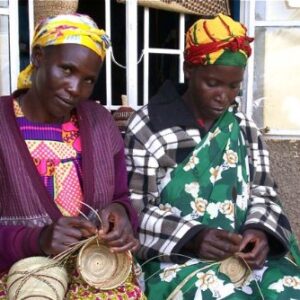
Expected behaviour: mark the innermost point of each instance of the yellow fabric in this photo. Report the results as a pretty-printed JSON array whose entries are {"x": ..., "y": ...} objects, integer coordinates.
[
  {"x": 66, "y": 29},
  {"x": 222, "y": 28}
]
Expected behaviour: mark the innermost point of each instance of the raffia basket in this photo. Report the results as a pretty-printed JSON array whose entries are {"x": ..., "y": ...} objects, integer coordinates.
[
  {"x": 197, "y": 7},
  {"x": 37, "y": 277},
  {"x": 49, "y": 8},
  {"x": 236, "y": 270},
  {"x": 102, "y": 269}
]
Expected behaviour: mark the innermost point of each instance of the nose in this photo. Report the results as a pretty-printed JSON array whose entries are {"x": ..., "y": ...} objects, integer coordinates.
[
  {"x": 222, "y": 97},
  {"x": 73, "y": 87}
]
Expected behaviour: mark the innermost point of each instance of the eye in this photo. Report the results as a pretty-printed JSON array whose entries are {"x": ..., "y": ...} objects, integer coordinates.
[
  {"x": 89, "y": 80},
  {"x": 212, "y": 83},
  {"x": 66, "y": 70},
  {"x": 235, "y": 86}
]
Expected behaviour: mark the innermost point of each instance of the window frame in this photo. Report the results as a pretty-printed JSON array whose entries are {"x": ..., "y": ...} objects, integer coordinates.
[{"x": 247, "y": 16}]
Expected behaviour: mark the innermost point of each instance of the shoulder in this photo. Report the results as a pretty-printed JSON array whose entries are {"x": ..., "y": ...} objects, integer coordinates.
[
  {"x": 139, "y": 119},
  {"x": 248, "y": 126}
]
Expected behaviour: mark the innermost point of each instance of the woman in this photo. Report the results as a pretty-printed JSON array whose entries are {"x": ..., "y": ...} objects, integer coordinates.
[
  {"x": 61, "y": 153},
  {"x": 199, "y": 177}
]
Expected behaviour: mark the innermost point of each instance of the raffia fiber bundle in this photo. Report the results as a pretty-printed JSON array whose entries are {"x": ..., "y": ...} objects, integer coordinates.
[
  {"x": 101, "y": 268},
  {"x": 197, "y": 7},
  {"x": 37, "y": 277},
  {"x": 49, "y": 8}
]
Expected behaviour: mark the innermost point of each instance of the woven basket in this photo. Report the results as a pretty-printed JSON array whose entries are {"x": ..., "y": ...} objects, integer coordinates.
[
  {"x": 197, "y": 7},
  {"x": 49, "y": 8},
  {"x": 236, "y": 270},
  {"x": 37, "y": 277},
  {"x": 102, "y": 269}
]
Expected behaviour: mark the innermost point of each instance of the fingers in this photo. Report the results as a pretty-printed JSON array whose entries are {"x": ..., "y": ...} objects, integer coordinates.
[{"x": 255, "y": 248}]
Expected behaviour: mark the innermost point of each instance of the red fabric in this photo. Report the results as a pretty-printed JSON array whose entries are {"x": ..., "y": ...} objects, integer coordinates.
[{"x": 196, "y": 53}]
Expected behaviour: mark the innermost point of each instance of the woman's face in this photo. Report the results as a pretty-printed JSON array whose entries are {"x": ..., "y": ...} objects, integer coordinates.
[
  {"x": 65, "y": 75},
  {"x": 212, "y": 89}
]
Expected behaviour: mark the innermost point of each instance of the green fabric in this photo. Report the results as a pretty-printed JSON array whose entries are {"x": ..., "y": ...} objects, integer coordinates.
[
  {"x": 229, "y": 58},
  {"x": 211, "y": 186},
  {"x": 213, "y": 191}
]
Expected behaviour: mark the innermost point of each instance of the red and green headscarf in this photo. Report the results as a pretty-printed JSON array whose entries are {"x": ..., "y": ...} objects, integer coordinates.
[{"x": 218, "y": 41}]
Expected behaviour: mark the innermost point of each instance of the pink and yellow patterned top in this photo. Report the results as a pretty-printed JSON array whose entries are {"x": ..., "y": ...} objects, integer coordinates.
[{"x": 56, "y": 152}]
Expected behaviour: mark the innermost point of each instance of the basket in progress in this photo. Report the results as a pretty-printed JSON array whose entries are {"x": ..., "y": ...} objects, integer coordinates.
[
  {"x": 236, "y": 270},
  {"x": 37, "y": 277},
  {"x": 101, "y": 268}
]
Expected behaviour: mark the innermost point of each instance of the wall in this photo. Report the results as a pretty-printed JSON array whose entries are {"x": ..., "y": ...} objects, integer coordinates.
[{"x": 285, "y": 167}]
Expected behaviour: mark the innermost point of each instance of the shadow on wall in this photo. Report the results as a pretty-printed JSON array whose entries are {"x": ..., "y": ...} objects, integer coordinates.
[{"x": 285, "y": 167}]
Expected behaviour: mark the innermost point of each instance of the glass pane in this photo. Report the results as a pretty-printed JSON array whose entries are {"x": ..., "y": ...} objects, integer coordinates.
[
  {"x": 164, "y": 28},
  {"x": 276, "y": 78},
  {"x": 3, "y": 3},
  {"x": 4, "y": 56},
  {"x": 285, "y": 10},
  {"x": 162, "y": 67}
]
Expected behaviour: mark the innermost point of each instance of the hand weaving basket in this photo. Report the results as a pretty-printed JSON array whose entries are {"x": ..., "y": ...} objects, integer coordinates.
[
  {"x": 49, "y": 8},
  {"x": 37, "y": 277},
  {"x": 101, "y": 268},
  {"x": 197, "y": 7},
  {"x": 236, "y": 270}
]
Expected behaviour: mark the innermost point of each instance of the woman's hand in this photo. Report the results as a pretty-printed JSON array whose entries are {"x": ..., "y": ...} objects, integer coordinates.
[
  {"x": 216, "y": 244},
  {"x": 254, "y": 248},
  {"x": 58, "y": 236},
  {"x": 116, "y": 229}
]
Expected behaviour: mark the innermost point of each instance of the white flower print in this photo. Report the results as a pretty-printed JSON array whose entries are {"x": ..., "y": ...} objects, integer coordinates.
[
  {"x": 206, "y": 280},
  {"x": 169, "y": 208},
  {"x": 210, "y": 281},
  {"x": 227, "y": 209},
  {"x": 212, "y": 135},
  {"x": 291, "y": 281},
  {"x": 199, "y": 206},
  {"x": 286, "y": 281},
  {"x": 216, "y": 174},
  {"x": 192, "y": 188},
  {"x": 230, "y": 158},
  {"x": 213, "y": 210},
  {"x": 168, "y": 274},
  {"x": 193, "y": 161}
]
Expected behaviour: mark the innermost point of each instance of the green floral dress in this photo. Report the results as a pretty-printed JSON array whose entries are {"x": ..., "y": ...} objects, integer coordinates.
[{"x": 212, "y": 187}]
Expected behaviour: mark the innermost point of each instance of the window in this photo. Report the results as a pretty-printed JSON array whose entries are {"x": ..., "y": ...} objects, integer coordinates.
[
  {"x": 9, "y": 47},
  {"x": 273, "y": 74}
]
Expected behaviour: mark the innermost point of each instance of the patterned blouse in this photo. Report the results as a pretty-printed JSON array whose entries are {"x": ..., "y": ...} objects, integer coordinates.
[{"x": 56, "y": 152}]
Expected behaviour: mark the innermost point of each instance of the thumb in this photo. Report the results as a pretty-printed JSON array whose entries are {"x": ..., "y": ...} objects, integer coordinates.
[{"x": 104, "y": 215}]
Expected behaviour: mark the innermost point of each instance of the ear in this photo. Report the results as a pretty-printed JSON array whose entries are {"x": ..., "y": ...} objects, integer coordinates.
[
  {"x": 37, "y": 56},
  {"x": 188, "y": 69}
]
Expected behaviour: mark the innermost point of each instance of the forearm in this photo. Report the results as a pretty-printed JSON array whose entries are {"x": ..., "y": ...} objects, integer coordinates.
[
  {"x": 18, "y": 242},
  {"x": 121, "y": 193},
  {"x": 163, "y": 233},
  {"x": 266, "y": 215}
]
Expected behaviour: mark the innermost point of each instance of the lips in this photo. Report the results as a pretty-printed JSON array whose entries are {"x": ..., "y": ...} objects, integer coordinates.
[{"x": 66, "y": 101}]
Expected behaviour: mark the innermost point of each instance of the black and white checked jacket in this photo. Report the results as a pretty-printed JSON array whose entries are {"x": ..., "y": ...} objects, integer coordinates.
[{"x": 159, "y": 136}]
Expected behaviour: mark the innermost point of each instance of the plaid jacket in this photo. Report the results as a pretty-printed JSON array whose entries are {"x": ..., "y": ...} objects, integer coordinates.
[{"x": 159, "y": 136}]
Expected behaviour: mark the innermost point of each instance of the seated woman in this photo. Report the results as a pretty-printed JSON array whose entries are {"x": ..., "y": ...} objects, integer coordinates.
[
  {"x": 199, "y": 178},
  {"x": 59, "y": 152}
]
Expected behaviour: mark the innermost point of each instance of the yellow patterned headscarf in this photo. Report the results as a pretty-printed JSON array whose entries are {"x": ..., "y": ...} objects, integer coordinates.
[
  {"x": 66, "y": 29},
  {"x": 220, "y": 40}
]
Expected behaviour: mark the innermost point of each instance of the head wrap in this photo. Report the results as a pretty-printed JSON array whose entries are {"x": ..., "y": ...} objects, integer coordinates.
[
  {"x": 66, "y": 29},
  {"x": 220, "y": 41}
]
